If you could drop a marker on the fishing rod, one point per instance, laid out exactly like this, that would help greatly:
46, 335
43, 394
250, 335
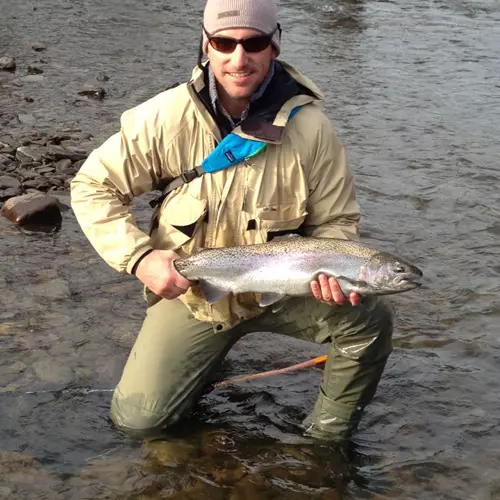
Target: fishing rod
223, 383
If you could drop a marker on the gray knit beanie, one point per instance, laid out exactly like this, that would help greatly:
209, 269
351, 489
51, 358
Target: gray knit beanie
226, 14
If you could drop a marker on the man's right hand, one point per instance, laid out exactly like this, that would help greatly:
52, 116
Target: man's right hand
158, 273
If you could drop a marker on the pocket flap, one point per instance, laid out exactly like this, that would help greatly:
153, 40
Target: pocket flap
280, 217
183, 210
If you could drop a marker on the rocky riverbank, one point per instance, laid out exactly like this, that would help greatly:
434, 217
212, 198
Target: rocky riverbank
33, 166
39, 162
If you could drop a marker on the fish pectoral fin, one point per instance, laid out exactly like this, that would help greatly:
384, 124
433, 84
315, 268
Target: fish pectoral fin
268, 298
347, 285
287, 236
278, 306
213, 293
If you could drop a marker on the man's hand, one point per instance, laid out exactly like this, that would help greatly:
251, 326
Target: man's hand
158, 273
328, 291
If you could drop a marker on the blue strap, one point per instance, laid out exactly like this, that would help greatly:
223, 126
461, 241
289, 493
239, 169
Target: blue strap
233, 149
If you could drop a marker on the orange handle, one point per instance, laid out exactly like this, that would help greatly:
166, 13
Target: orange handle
305, 364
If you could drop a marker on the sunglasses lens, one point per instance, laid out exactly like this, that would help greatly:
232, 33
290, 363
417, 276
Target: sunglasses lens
222, 44
227, 45
256, 43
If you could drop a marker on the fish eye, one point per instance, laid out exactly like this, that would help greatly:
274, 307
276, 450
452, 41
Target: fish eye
399, 268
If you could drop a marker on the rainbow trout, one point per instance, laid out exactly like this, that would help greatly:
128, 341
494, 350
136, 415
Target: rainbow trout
286, 266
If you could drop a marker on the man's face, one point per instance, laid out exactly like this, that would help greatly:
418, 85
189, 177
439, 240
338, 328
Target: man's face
240, 73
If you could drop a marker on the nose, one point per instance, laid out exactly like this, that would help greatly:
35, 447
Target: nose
239, 57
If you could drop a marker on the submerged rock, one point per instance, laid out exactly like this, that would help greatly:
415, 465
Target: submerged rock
38, 47
7, 64
98, 93
34, 70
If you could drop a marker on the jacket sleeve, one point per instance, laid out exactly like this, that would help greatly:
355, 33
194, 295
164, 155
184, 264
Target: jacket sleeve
333, 211
126, 165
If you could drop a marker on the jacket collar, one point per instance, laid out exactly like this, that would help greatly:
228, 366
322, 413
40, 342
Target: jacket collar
268, 114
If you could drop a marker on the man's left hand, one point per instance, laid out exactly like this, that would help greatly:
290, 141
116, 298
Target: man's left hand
328, 291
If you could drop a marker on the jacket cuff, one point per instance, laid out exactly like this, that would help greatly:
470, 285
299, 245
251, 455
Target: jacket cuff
136, 259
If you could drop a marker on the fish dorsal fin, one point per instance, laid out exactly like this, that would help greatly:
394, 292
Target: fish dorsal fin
198, 250
268, 298
212, 292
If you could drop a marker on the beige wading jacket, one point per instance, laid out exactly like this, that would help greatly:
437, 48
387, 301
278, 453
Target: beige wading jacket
301, 181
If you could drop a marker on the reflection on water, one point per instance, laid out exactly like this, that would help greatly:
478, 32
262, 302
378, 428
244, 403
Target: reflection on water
412, 88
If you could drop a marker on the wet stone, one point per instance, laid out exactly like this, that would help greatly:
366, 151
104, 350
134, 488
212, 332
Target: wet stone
5, 159
7, 64
26, 118
55, 373
56, 182
9, 193
252, 487
26, 477
98, 93
39, 183
63, 165
8, 141
229, 473
78, 165
59, 153
170, 453
54, 289
31, 79
7, 182
32, 210
45, 170
34, 70
6, 149
38, 47
26, 175
27, 154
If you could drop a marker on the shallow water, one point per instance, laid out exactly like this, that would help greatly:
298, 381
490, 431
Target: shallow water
413, 90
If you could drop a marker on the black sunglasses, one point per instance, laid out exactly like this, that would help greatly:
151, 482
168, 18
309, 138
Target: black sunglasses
254, 44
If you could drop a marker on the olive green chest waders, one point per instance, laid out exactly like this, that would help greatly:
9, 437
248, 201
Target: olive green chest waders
175, 356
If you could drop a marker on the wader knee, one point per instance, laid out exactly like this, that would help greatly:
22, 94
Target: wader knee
141, 418
360, 345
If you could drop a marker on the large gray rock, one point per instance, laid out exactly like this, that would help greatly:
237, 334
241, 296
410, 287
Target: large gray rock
33, 211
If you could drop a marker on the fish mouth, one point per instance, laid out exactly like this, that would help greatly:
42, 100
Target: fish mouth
408, 280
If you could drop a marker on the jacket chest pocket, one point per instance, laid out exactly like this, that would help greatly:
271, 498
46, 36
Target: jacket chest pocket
182, 222
278, 220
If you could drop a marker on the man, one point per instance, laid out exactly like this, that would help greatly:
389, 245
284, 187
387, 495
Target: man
299, 182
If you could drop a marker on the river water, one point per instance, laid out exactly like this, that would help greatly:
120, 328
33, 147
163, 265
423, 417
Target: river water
413, 89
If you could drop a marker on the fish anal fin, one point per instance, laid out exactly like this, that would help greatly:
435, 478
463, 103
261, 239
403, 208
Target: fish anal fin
268, 298
212, 292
